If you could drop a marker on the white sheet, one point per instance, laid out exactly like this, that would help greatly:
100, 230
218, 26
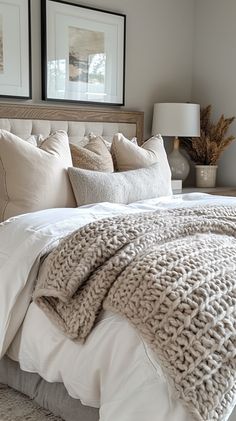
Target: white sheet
114, 369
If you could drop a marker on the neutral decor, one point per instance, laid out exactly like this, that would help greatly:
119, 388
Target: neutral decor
84, 58
206, 149
39, 180
206, 175
173, 282
15, 49
93, 156
129, 156
175, 119
119, 187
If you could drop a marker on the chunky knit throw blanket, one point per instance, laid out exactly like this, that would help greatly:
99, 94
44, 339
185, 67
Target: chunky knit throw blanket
172, 274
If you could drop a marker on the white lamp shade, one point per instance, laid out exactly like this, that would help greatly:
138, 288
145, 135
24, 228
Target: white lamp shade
176, 119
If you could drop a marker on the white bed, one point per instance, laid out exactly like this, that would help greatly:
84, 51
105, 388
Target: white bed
115, 370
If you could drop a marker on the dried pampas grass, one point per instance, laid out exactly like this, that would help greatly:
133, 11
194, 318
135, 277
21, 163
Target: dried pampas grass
206, 149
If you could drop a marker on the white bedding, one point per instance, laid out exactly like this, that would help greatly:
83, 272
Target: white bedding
115, 369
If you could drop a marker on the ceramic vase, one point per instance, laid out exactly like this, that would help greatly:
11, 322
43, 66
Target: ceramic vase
206, 175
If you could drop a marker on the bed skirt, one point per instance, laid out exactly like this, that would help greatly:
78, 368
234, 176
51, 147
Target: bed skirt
51, 396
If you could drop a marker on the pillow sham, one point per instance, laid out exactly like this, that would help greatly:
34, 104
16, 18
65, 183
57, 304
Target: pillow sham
121, 187
129, 156
34, 178
93, 156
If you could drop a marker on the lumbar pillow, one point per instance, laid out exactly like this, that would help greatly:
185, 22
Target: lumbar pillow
120, 187
34, 178
93, 156
129, 156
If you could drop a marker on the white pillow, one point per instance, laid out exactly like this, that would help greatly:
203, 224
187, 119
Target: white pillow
33, 178
120, 187
129, 156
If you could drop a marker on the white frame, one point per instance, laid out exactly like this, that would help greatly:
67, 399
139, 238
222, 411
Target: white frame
57, 18
15, 78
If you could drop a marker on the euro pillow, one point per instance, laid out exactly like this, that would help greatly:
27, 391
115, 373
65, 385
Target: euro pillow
120, 187
34, 178
93, 156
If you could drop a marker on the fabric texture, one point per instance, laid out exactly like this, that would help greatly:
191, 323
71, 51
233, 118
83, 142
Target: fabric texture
126, 187
172, 274
34, 178
93, 156
129, 156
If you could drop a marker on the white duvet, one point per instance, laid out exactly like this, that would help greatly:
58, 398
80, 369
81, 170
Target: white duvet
115, 369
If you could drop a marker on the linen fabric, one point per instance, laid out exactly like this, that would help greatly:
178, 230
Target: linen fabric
34, 178
51, 396
129, 156
121, 187
93, 156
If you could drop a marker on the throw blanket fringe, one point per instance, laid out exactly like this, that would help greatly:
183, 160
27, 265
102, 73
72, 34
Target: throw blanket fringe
172, 274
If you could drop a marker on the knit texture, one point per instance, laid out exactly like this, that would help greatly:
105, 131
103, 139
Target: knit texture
173, 275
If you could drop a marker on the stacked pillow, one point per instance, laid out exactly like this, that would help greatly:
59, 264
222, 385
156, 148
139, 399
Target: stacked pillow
93, 156
143, 173
33, 173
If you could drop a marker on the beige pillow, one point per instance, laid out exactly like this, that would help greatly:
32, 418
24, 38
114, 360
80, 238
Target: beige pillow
34, 178
93, 156
121, 187
128, 156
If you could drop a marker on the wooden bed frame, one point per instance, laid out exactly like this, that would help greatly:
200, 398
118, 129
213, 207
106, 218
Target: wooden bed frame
66, 113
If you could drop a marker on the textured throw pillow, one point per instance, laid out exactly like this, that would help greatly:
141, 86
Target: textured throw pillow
129, 156
121, 187
34, 178
91, 135
93, 156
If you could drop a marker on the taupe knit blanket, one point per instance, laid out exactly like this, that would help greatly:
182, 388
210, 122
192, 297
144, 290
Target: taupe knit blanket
172, 274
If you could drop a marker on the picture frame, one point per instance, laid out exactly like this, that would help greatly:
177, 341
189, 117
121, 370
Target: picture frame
83, 54
15, 49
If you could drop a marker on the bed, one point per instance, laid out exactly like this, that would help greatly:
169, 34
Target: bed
112, 373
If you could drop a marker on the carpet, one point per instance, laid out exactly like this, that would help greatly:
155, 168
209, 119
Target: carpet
17, 407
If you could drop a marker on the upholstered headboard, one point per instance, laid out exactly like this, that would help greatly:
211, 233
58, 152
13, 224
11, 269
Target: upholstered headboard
25, 120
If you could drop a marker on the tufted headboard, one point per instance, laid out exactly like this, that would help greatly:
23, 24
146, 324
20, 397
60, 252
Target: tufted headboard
25, 120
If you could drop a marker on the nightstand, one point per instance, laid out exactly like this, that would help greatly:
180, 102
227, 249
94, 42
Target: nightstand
221, 191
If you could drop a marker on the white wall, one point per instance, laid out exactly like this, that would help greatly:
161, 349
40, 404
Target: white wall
158, 51
214, 69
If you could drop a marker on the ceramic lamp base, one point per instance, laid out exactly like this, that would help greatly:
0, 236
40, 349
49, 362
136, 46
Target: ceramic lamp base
178, 163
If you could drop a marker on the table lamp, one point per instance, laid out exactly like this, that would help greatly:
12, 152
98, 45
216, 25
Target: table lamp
177, 120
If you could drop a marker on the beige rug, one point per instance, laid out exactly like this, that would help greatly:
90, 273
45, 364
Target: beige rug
17, 407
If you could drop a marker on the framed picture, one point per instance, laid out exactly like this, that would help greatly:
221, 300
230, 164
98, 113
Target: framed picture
15, 49
83, 54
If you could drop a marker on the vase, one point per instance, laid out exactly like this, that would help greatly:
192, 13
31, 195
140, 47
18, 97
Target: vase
206, 175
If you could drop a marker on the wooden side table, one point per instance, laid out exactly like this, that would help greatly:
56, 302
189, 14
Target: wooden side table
220, 191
